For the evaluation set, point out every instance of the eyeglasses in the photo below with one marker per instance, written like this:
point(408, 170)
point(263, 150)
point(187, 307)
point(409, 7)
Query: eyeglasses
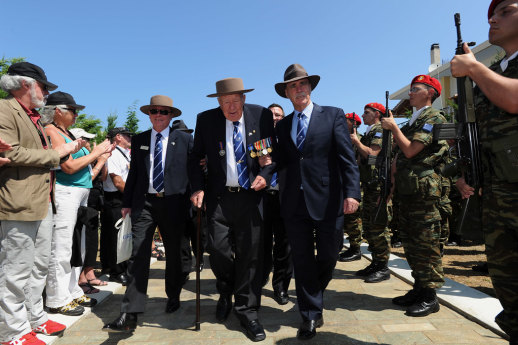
point(72, 110)
point(415, 89)
point(43, 87)
point(156, 111)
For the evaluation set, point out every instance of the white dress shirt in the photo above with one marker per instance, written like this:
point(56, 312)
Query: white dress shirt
point(165, 139)
point(232, 175)
point(117, 164)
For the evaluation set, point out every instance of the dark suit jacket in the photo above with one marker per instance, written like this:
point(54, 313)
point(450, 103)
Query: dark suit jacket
point(210, 132)
point(326, 168)
point(175, 168)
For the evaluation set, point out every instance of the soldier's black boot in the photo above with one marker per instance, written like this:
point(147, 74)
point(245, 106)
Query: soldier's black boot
point(381, 272)
point(407, 299)
point(351, 254)
point(367, 270)
point(426, 304)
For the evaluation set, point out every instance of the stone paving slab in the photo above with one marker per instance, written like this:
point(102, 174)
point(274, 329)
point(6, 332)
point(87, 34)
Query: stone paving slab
point(355, 313)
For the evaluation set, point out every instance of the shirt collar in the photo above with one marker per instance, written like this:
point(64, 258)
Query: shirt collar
point(165, 132)
point(505, 61)
point(416, 114)
point(307, 110)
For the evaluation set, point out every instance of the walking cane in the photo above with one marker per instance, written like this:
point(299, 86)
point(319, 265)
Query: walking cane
point(198, 251)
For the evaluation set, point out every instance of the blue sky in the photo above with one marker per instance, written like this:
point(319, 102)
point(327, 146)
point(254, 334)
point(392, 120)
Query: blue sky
point(109, 54)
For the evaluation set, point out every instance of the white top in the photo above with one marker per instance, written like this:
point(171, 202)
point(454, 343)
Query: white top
point(307, 111)
point(117, 164)
point(232, 175)
point(416, 114)
point(165, 139)
point(505, 61)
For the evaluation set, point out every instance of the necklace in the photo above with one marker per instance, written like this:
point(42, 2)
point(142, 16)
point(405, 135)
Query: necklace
point(65, 131)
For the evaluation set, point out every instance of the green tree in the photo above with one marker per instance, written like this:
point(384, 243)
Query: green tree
point(90, 124)
point(4, 66)
point(131, 118)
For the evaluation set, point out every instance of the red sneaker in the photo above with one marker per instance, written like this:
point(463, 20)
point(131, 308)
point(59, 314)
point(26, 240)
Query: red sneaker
point(27, 339)
point(50, 328)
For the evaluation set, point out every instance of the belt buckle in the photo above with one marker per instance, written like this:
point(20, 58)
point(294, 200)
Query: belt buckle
point(234, 189)
point(160, 195)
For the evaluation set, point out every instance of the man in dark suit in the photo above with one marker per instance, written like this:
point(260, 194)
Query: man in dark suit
point(155, 194)
point(234, 206)
point(320, 185)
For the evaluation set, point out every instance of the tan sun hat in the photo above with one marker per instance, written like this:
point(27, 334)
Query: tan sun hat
point(295, 72)
point(229, 86)
point(163, 101)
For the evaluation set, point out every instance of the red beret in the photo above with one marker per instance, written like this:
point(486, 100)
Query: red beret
point(427, 80)
point(492, 6)
point(353, 116)
point(376, 106)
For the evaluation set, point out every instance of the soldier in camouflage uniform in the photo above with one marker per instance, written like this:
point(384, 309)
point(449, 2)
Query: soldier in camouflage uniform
point(497, 116)
point(418, 185)
point(378, 236)
point(352, 222)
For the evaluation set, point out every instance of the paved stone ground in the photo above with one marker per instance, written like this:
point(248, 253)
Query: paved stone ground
point(355, 313)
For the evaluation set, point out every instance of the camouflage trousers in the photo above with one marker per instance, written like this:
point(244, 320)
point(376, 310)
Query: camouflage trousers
point(353, 228)
point(420, 228)
point(445, 209)
point(378, 236)
point(500, 224)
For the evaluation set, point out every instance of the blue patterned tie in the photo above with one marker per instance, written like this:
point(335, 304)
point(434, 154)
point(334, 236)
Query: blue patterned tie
point(158, 171)
point(302, 128)
point(273, 183)
point(239, 152)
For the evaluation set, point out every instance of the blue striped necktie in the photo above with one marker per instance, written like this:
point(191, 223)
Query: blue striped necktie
point(158, 171)
point(239, 152)
point(273, 183)
point(302, 128)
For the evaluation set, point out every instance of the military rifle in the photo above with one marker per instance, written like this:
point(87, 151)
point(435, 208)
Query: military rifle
point(383, 165)
point(464, 132)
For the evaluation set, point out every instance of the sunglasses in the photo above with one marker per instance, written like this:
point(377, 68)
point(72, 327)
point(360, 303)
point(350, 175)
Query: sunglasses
point(156, 111)
point(72, 110)
point(415, 89)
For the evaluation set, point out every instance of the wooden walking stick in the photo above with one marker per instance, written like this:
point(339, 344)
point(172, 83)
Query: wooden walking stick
point(198, 253)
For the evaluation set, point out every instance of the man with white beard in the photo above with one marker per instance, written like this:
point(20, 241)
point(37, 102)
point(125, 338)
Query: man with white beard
point(26, 185)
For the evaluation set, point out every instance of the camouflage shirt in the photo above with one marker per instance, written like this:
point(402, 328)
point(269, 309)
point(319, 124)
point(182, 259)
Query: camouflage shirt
point(368, 173)
point(422, 131)
point(498, 131)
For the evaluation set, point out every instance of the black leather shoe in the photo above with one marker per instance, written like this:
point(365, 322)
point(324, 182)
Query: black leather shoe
point(254, 330)
point(172, 305)
point(119, 278)
point(126, 322)
point(367, 270)
point(381, 274)
point(426, 304)
point(308, 328)
point(351, 254)
point(223, 308)
point(407, 299)
point(281, 297)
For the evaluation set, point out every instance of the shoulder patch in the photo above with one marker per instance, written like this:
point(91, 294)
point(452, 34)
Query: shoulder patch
point(378, 135)
point(427, 127)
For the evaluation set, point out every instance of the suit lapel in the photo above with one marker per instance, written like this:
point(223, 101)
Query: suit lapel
point(220, 132)
point(146, 140)
point(313, 122)
point(289, 125)
point(171, 146)
point(250, 135)
point(26, 120)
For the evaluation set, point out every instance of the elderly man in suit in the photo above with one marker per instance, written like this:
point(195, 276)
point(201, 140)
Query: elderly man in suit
point(226, 136)
point(27, 202)
point(155, 194)
point(320, 185)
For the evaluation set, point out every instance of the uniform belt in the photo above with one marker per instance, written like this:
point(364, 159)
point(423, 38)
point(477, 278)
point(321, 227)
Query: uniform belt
point(156, 195)
point(234, 189)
